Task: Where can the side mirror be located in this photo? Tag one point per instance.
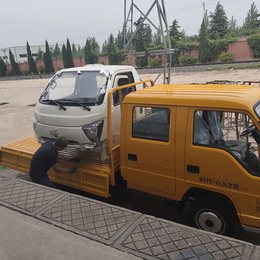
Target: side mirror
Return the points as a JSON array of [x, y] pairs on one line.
[[105, 73]]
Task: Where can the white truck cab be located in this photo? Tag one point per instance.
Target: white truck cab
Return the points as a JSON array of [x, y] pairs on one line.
[[74, 105]]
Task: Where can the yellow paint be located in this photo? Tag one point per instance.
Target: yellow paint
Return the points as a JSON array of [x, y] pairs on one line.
[[161, 167]]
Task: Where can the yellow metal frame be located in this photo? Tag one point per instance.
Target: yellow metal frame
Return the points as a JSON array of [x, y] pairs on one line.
[[113, 150]]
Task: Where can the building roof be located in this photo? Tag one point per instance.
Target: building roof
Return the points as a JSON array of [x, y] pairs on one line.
[[219, 96]]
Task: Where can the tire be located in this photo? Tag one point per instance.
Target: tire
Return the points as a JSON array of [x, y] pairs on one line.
[[212, 215]]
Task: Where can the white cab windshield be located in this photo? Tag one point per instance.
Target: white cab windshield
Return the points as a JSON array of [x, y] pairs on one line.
[[87, 87]]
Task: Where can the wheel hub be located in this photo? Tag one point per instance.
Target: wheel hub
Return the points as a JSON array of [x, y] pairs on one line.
[[210, 221]]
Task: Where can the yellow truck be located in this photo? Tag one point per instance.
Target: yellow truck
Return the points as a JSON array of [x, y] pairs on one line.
[[196, 143]]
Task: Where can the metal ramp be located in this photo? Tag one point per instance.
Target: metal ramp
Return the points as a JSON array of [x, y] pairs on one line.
[[91, 176]]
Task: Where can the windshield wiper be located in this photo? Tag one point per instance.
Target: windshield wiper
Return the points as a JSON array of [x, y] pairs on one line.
[[57, 103], [78, 102]]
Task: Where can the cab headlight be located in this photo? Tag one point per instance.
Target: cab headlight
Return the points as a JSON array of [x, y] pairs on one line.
[[34, 122], [93, 131]]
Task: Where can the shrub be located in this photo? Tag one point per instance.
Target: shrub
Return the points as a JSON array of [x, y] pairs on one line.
[[254, 43], [155, 62], [217, 47], [25, 72], [9, 72], [100, 62], [125, 63], [226, 57], [188, 59], [41, 69]]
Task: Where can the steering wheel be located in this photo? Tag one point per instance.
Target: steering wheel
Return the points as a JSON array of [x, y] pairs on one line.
[[248, 130]]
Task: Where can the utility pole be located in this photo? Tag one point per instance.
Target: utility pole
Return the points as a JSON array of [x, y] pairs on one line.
[[167, 51]]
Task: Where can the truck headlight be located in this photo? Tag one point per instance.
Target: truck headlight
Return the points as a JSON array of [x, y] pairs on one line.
[[93, 131], [34, 122]]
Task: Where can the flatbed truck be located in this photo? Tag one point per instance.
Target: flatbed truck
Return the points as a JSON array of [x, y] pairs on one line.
[[197, 143]]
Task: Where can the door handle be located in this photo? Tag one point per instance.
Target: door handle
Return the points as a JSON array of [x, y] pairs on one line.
[[132, 157], [193, 169]]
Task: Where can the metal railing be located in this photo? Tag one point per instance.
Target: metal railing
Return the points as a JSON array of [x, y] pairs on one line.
[[109, 120]]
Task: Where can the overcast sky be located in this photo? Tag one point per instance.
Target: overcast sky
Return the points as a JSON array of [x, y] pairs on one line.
[[55, 20]]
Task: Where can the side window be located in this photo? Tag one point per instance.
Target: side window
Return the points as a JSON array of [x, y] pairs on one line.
[[151, 123], [233, 132], [121, 80]]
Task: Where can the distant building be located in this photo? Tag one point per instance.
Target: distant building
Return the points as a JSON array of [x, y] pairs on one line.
[[20, 52]]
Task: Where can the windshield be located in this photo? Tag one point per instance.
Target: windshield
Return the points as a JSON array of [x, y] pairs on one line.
[[86, 87]]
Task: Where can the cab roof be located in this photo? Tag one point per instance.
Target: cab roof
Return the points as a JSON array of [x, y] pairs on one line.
[[219, 96], [94, 67]]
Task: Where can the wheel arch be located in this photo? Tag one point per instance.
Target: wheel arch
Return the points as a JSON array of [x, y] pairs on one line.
[[196, 192]]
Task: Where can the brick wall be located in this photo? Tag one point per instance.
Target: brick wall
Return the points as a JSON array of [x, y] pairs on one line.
[[241, 49]]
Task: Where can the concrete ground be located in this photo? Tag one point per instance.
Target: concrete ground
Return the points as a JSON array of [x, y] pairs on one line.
[[26, 235], [26, 238]]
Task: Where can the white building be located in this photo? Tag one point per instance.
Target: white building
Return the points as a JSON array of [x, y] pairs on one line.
[[20, 52]]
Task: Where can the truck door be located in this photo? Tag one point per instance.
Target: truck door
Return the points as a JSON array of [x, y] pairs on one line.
[[221, 157], [149, 148], [120, 79]]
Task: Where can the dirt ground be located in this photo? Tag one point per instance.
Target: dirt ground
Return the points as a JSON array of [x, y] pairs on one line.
[[16, 116]]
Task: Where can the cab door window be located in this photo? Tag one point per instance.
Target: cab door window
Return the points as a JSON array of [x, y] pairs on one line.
[[121, 80], [151, 123], [231, 131]]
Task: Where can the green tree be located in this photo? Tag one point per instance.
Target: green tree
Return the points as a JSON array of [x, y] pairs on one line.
[[119, 40], [174, 32], [15, 69], [91, 56], [73, 48], [3, 68], [157, 37], [176, 54], [139, 47], [205, 55], [218, 23], [31, 61], [39, 54], [94, 45], [148, 36], [64, 56], [206, 21], [252, 22], [104, 47], [70, 63], [232, 26], [47, 59], [139, 44], [56, 51]]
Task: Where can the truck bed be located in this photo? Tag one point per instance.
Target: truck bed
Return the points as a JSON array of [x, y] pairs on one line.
[[91, 176]]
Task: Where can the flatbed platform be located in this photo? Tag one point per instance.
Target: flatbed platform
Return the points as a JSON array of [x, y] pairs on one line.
[[91, 176]]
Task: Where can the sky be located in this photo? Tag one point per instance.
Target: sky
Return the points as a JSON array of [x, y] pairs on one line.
[[55, 20]]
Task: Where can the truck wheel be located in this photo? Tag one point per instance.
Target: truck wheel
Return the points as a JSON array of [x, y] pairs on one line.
[[212, 215]]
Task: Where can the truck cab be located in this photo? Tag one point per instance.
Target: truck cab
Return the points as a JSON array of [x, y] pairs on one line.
[[74, 105], [198, 144]]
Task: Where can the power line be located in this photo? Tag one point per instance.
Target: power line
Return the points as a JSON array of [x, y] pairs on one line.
[[170, 13], [196, 5]]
